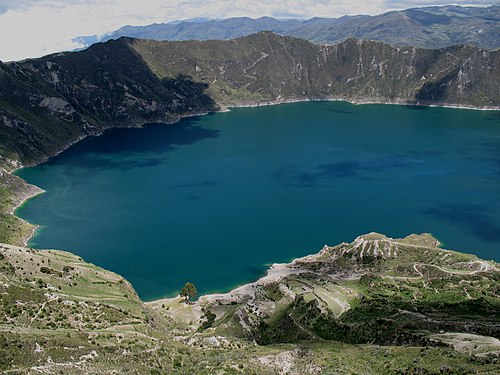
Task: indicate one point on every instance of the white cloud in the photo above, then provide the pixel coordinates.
(405, 4)
(31, 28)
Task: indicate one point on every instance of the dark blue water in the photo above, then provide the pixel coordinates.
(214, 199)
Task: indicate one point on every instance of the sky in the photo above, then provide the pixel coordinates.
(33, 28)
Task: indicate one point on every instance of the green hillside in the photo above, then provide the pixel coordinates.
(376, 305)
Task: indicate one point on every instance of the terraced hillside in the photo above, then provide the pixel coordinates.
(376, 290)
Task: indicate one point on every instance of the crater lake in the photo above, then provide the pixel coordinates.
(215, 199)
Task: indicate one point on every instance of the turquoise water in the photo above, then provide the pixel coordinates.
(213, 199)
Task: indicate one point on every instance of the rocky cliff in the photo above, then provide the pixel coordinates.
(268, 67)
(49, 103)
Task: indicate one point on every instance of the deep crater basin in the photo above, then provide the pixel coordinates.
(215, 199)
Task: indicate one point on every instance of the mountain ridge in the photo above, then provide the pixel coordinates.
(49, 103)
(424, 27)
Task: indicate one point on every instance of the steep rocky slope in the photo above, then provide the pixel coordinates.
(49, 103)
(376, 305)
(268, 67)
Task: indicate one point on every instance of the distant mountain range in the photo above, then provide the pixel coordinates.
(429, 27)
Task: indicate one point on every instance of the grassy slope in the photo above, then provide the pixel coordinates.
(12, 229)
(268, 67)
(85, 318)
(59, 313)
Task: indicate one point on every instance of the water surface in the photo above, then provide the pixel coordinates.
(214, 199)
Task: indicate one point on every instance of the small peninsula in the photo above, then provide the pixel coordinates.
(375, 305)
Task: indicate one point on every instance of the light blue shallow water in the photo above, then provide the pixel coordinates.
(214, 199)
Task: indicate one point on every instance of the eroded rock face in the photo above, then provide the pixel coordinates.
(267, 67)
(57, 106)
(51, 103)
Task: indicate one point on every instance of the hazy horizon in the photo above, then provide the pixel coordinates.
(33, 28)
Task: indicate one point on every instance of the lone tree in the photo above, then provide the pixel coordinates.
(188, 291)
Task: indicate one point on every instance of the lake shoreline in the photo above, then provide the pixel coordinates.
(34, 227)
(354, 101)
(223, 108)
